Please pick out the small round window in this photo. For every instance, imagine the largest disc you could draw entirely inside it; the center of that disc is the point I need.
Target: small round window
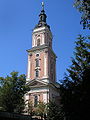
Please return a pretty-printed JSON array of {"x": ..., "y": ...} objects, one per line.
[{"x": 37, "y": 55}]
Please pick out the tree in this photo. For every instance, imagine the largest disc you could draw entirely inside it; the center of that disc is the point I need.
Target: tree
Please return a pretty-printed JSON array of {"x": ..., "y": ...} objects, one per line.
[
  {"x": 76, "y": 86},
  {"x": 54, "y": 112},
  {"x": 12, "y": 90},
  {"x": 84, "y": 7},
  {"x": 40, "y": 109},
  {"x": 30, "y": 108}
]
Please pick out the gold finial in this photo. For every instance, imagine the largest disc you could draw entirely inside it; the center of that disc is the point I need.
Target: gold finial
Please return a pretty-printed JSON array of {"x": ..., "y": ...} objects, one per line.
[{"x": 43, "y": 5}]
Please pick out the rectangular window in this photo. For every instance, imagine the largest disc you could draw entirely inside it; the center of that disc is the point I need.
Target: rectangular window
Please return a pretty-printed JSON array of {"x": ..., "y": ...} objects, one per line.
[
  {"x": 35, "y": 100},
  {"x": 37, "y": 62},
  {"x": 37, "y": 73},
  {"x": 38, "y": 42}
]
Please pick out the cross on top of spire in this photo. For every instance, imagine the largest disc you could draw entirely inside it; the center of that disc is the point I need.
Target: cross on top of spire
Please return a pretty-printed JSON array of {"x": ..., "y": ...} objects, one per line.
[
  {"x": 42, "y": 18},
  {"x": 42, "y": 5}
]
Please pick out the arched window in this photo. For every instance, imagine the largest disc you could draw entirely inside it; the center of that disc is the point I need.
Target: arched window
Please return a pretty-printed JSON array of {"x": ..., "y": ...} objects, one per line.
[
  {"x": 37, "y": 62},
  {"x": 38, "y": 42}
]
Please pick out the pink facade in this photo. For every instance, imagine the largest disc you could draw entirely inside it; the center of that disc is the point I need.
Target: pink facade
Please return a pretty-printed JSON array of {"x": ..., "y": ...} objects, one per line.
[
  {"x": 49, "y": 65},
  {"x": 41, "y": 70}
]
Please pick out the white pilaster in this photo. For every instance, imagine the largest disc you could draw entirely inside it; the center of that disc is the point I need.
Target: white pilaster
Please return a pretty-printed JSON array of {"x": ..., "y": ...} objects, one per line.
[
  {"x": 45, "y": 66},
  {"x": 45, "y": 97},
  {"x": 33, "y": 41},
  {"x": 29, "y": 68},
  {"x": 43, "y": 37}
]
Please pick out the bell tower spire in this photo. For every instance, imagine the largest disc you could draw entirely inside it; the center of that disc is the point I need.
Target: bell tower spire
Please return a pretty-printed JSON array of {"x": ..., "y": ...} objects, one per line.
[
  {"x": 42, "y": 18},
  {"x": 42, "y": 59},
  {"x": 41, "y": 71}
]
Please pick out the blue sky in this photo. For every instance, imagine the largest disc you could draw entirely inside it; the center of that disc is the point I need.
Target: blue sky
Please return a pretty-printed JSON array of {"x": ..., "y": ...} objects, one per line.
[{"x": 19, "y": 17}]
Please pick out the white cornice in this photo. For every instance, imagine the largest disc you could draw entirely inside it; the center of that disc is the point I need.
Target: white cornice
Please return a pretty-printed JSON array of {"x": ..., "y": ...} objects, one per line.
[{"x": 38, "y": 29}]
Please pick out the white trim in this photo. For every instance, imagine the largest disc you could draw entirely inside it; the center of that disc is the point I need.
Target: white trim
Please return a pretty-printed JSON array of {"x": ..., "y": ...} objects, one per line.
[
  {"x": 33, "y": 40},
  {"x": 36, "y": 54},
  {"x": 45, "y": 97},
  {"x": 38, "y": 29},
  {"x": 45, "y": 66},
  {"x": 36, "y": 90},
  {"x": 29, "y": 68},
  {"x": 43, "y": 37},
  {"x": 46, "y": 80},
  {"x": 38, "y": 80}
]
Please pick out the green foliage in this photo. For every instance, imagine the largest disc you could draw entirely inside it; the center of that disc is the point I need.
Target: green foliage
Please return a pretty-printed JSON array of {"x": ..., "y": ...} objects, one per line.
[
  {"x": 84, "y": 7},
  {"x": 81, "y": 60},
  {"x": 76, "y": 86},
  {"x": 30, "y": 108},
  {"x": 12, "y": 90},
  {"x": 54, "y": 112},
  {"x": 40, "y": 110}
]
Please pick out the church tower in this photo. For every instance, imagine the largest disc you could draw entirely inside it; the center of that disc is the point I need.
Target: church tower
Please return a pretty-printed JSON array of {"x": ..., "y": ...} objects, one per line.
[{"x": 41, "y": 71}]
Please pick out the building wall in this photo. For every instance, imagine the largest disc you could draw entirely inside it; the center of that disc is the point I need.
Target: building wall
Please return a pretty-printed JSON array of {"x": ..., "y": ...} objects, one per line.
[
  {"x": 45, "y": 94},
  {"x": 45, "y": 36},
  {"x": 53, "y": 93},
  {"x": 43, "y": 62},
  {"x": 47, "y": 66},
  {"x": 42, "y": 94},
  {"x": 52, "y": 66}
]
